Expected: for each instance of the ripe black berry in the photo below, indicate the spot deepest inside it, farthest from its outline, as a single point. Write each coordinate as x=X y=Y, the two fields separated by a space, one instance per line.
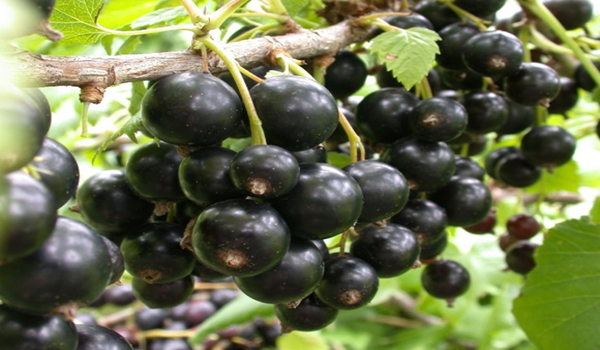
x=533 y=84
x=425 y=218
x=548 y=146
x=310 y=315
x=519 y=257
x=438 y=119
x=346 y=75
x=522 y=226
x=445 y=279
x=467 y=201
x=494 y=54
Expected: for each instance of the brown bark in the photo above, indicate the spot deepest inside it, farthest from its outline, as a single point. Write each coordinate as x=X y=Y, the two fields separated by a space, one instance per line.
x=104 y=71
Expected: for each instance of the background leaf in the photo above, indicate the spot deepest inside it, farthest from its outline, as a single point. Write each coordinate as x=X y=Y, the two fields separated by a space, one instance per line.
x=293 y=7
x=160 y=16
x=408 y=53
x=559 y=307
x=595 y=212
x=301 y=341
x=76 y=19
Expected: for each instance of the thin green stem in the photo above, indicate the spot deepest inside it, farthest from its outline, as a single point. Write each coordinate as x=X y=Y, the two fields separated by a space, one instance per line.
x=319 y=74
x=541 y=113
x=383 y=25
x=252 y=32
x=84 y=119
x=425 y=88
x=542 y=42
x=149 y=30
x=524 y=36
x=547 y=17
x=464 y=150
x=217 y=18
x=193 y=11
x=278 y=18
x=382 y=14
x=249 y=74
x=256 y=130
x=275 y=6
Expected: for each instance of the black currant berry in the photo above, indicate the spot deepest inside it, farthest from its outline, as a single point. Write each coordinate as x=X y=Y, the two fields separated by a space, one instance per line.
x=493 y=54
x=58 y=170
x=437 y=13
x=147 y=319
x=191 y=109
x=414 y=20
x=452 y=44
x=584 y=79
x=533 y=84
x=507 y=240
x=425 y=218
x=384 y=189
x=466 y=167
x=348 y=283
x=383 y=115
x=492 y=159
x=207 y=274
x=312 y=210
x=314 y=155
x=27 y=216
x=73 y=250
x=264 y=171
x=484 y=226
x=445 y=279
x=164 y=294
x=467 y=201
x=516 y=171
x=430 y=250
x=571 y=14
x=100 y=338
x=310 y=315
x=567 y=97
x=204 y=176
x=109 y=205
x=548 y=146
x=240 y=237
x=487 y=111
x=346 y=75
x=294 y=278
x=475 y=144
x=297 y=113
x=198 y=311
x=426 y=165
x=519 y=118
x=121 y=295
x=391 y=251
x=154 y=253
x=27 y=332
x=438 y=119
x=522 y=226
x=519 y=257
x=116 y=261
x=460 y=79
x=480 y=8
x=152 y=172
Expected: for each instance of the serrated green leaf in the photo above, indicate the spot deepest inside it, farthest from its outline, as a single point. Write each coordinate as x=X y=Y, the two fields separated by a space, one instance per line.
x=595 y=212
x=407 y=53
x=129 y=45
x=293 y=7
x=76 y=19
x=129 y=128
x=138 y=90
x=241 y=310
x=301 y=341
x=161 y=16
x=559 y=307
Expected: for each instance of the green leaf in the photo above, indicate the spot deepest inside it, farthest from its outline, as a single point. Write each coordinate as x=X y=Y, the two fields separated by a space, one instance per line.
x=107 y=43
x=241 y=310
x=408 y=53
x=129 y=45
x=138 y=90
x=338 y=160
x=293 y=7
x=559 y=307
x=160 y=17
x=564 y=178
x=301 y=341
x=76 y=19
x=595 y=212
x=118 y=13
x=129 y=128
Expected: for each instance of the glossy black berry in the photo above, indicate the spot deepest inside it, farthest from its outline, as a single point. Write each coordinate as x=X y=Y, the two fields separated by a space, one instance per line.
x=522 y=226
x=460 y=79
x=346 y=75
x=414 y=20
x=492 y=159
x=567 y=97
x=466 y=167
x=41 y=100
x=384 y=189
x=487 y=111
x=437 y=13
x=147 y=319
x=27 y=216
x=571 y=14
x=466 y=201
x=348 y=283
x=445 y=279
x=191 y=109
x=73 y=250
x=493 y=54
x=24 y=332
x=426 y=165
x=297 y=113
x=120 y=295
x=116 y=260
x=516 y=171
x=480 y=8
x=484 y=226
x=533 y=84
x=425 y=218
x=204 y=176
x=310 y=315
x=240 y=237
x=519 y=118
x=584 y=79
x=295 y=277
x=164 y=294
x=383 y=115
x=519 y=257
x=312 y=210
x=207 y=274
x=475 y=144
x=391 y=251
x=154 y=253
x=452 y=44
x=548 y=146
x=100 y=338
x=438 y=119
x=313 y=155
x=264 y=171
x=109 y=205
x=430 y=250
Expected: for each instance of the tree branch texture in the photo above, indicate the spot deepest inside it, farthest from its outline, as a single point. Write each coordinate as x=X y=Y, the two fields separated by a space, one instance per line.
x=103 y=71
